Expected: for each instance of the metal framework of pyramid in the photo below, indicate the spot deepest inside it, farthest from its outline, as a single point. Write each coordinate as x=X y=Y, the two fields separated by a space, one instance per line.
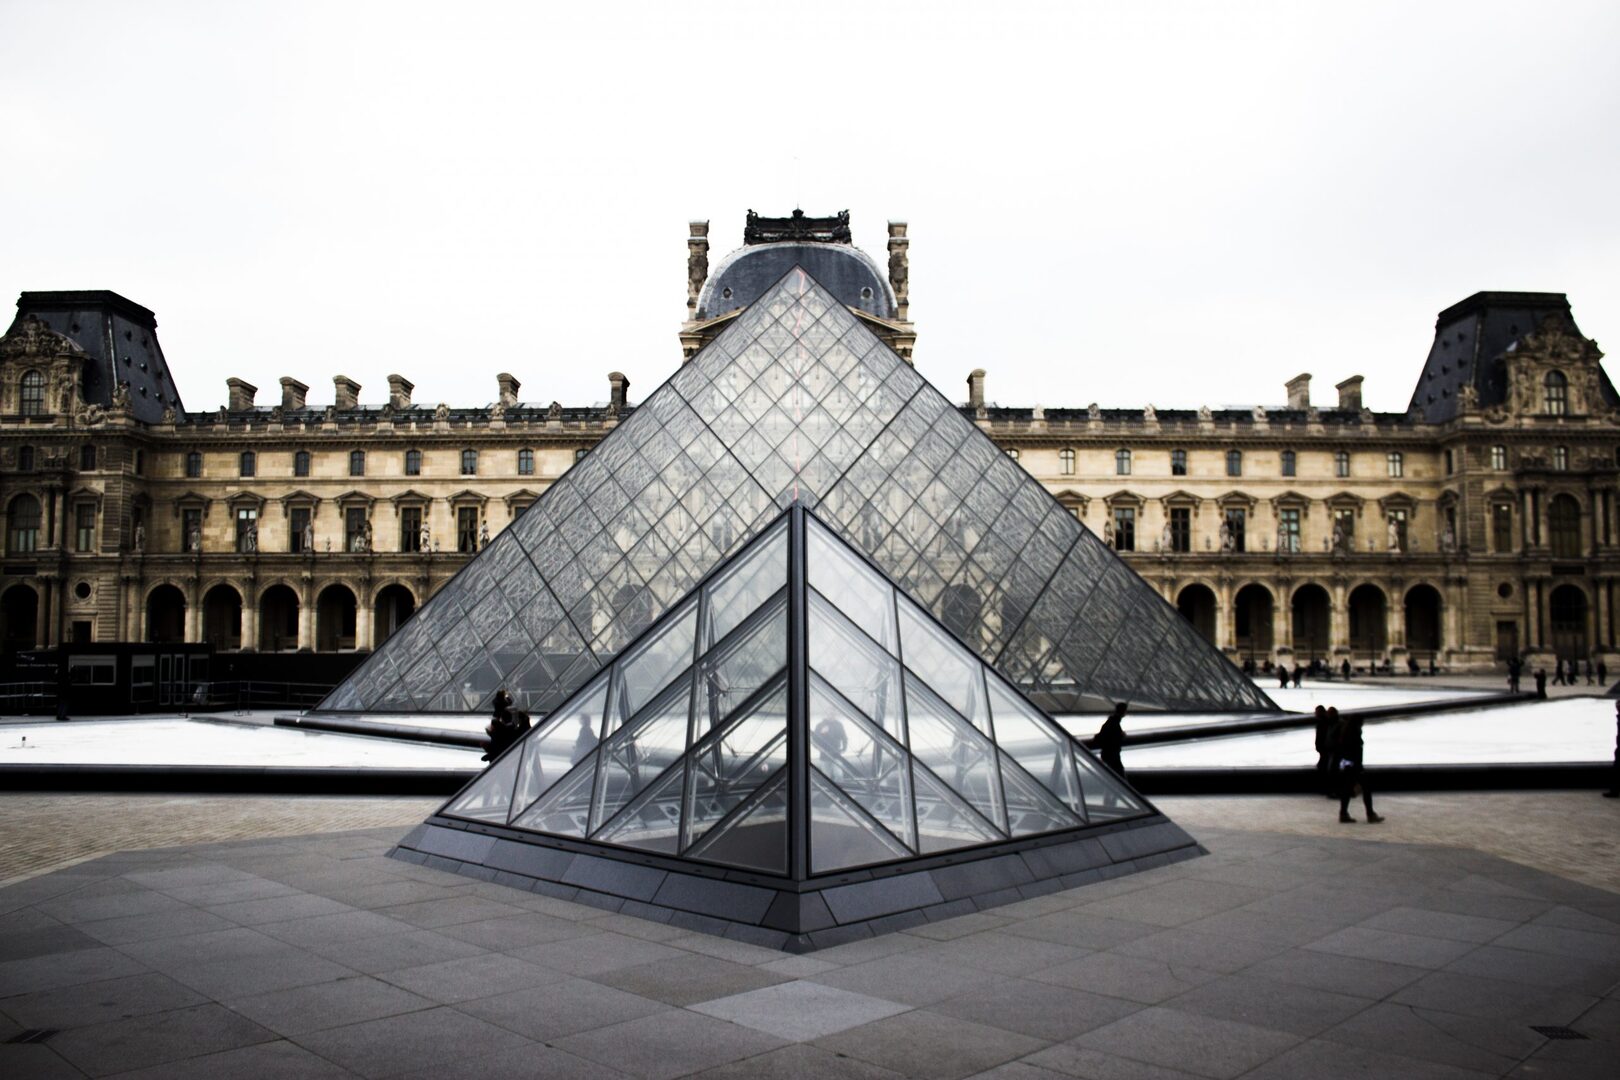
x=796 y=401
x=796 y=753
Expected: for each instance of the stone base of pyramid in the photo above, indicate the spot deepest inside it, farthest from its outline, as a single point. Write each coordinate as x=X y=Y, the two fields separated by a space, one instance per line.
x=795 y=916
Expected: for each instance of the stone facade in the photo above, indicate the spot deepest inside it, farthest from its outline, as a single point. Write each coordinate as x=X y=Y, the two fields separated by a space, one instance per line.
x=1461 y=531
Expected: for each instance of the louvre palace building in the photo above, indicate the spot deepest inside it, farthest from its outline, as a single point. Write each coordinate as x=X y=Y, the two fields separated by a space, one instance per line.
x=1477 y=525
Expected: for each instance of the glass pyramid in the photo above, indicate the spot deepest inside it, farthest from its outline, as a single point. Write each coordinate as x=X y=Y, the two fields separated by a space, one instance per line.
x=796 y=401
x=796 y=716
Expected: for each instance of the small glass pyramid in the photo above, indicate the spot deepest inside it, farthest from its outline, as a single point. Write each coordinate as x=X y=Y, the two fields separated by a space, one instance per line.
x=797 y=715
x=796 y=401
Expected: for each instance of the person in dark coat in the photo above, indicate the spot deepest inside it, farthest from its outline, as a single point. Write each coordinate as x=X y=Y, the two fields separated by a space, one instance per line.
x=1558 y=673
x=1324 y=750
x=1111 y=739
x=503 y=729
x=1589 y=672
x=1614 y=777
x=1602 y=672
x=1347 y=754
x=1515 y=670
x=1282 y=676
x=1541 y=683
x=1344 y=669
x=1299 y=673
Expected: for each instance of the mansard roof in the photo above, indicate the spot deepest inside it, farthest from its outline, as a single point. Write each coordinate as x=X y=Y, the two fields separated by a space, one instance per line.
x=119 y=338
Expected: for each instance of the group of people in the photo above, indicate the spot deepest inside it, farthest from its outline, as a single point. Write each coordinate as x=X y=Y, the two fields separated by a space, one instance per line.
x=1339 y=762
x=506 y=728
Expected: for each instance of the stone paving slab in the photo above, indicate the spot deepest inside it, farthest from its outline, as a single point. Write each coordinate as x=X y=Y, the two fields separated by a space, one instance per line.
x=1278 y=955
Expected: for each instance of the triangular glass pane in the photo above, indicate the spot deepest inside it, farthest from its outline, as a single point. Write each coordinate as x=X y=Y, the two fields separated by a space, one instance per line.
x=562 y=742
x=944 y=821
x=954 y=751
x=756 y=835
x=841 y=836
x=737 y=592
x=861 y=671
x=653 y=821
x=731 y=764
x=1031 y=808
x=1035 y=743
x=637 y=754
x=1106 y=798
x=947 y=668
x=489 y=797
x=866 y=764
x=647 y=669
x=565 y=810
x=734 y=672
x=852 y=586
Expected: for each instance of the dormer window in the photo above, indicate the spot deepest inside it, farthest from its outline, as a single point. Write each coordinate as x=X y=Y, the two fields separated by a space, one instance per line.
x=31 y=394
x=1555 y=399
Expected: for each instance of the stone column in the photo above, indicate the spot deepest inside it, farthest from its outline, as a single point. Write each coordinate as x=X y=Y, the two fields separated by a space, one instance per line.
x=306 y=614
x=1339 y=620
x=250 y=615
x=362 y=618
x=193 y=630
x=1225 y=619
x=42 y=612
x=1282 y=625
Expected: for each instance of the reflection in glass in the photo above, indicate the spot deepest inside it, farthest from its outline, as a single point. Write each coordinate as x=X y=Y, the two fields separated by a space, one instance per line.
x=653 y=821
x=944 y=665
x=850 y=584
x=731 y=674
x=755 y=838
x=639 y=752
x=944 y=821
x=1035 y=743
x=490 y=796
x=866 y=764
x=563 y=741
x=565 y=810
x=1106 y=799
x=741 y=589
x=733 y=763
x=840 y=835
x=953 y=751
x=853 y=663
x=649 y=668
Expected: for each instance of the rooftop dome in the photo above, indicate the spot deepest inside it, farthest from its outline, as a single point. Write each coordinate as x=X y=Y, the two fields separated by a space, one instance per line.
x=773 y=246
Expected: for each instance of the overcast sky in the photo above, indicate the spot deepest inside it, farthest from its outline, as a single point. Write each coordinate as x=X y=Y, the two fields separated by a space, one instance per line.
x=1120 y=203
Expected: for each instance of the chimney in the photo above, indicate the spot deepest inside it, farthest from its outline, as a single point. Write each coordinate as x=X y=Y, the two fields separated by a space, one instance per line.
x=1350 y=394
x=976 y=391
x=1299 y=391
x=399 y=391
x=900 y=267
x=508 y=388
x=346 y=392
x=241 y=394
x=292 y=393
x=618 y=391
x=697 y=264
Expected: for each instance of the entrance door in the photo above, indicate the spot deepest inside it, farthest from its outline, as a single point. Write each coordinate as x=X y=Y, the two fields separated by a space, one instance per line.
x=1507 y=640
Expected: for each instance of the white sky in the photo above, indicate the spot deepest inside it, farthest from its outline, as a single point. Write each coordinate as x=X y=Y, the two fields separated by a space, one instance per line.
x=1121 y=203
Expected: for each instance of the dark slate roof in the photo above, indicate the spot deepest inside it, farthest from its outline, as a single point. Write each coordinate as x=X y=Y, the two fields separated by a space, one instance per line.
x=119 y=338
x=1470 y=339
x=842 y=269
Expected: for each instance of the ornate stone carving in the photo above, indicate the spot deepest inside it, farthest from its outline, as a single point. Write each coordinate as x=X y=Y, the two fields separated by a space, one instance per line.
x=32 y=338
x=1259 y=414
x=555 y=411
x=1150 y=415
x=442 y=412
x=1093 y=412
x=1204 y=414
x=827 y=230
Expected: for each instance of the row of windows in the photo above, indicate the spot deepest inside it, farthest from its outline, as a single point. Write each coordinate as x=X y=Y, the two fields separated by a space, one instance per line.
x=471 y=532
x=248 y=463
x=1395 y=462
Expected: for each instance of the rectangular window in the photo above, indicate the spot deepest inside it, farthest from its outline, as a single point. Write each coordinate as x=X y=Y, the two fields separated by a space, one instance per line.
x=87 y=458
x=525 y=462
x=1234 y=463
x=1124 y=528
x=1499 y=458
x=1449 y=468
x=1289 y=463
x=1288 y=529
x=1122 y=463
x=1180 y=528
x=413 y=463
x=1178 y=463
x=1237 y=527
x=357 y=463
x=1397 y=464
x=250 y=463
x=247 y=526
x=85 y=527
x=410 y=528
x=301 y=463
x=1341 y=464
x=467 y=528
x=354 y=529
x=299 y=522
x=191 y=530
x=1344 y=528
x=193 y=465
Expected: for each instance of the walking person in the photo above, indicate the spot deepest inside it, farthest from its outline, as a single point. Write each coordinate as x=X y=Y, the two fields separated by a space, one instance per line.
x=1110 y=739
x=1602 y=672
x=1515 y=670
x=1541 y=683
x=1324 y=751
x=1558 y=673
x=1347 y=759
x=1299 y=673
x=1282 y=676
x=1344 y=668
x=1589 y=671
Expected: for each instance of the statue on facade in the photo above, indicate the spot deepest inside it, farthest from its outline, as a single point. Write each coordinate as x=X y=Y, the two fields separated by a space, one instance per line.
x=1228 y=542
x=1167 y=540
x=1204 y=414
x=554 y=412
x=169 y=415
x=1392 y=534
x=1284 y=540
x=363 y=538
x=1108 y=533
x=250 y=539
x=120 y=397
x=1448 y=538
x=426 y=542
x=442 y=412
x=309 y=538
x=1150 y=415
x=1338 y=535
x=140 y=539
x=194 y=539
x=1259 y=414
x=1093 y=412
x=483 y=535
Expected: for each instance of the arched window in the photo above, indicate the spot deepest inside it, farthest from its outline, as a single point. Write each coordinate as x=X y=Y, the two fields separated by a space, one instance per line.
x=1341 y=463
x=193 y=465
x=413 y=463
x=525 y=462
x=1555 y=400
x=1397 y=463
x=249 y=463
x=31 y=393
x=1178 y=463
x=1564 y=525
x=22 y=525
x=1122 y=463
x=1289 y=463
x=1066 y=461
x=469 y=462
x=1561 y=458
x=301 y=463
x=1234 y=463
x=357 y=463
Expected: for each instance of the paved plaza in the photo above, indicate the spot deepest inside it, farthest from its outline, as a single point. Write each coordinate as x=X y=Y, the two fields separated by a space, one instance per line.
x=1330 y=951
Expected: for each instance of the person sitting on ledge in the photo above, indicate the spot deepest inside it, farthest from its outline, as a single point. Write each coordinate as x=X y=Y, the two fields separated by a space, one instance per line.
x=503 y=729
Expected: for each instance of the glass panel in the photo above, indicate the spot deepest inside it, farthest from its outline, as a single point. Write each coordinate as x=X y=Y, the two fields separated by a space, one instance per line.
x=565 y=810
x=756 y=838
x=567 y=738
x=730 y=766
x=841 y=836
x=954 y=751
x=852 y=586
x=1035 y=743
x=635 y=756
x=1031 y=808
x=732 y=674
x=1106 y=798
x=944 y=665
x=853 y=663
x=647 y=670
x=866 y=764
x=489 y=797
x=943 y=820
x=747 y=585
x=653 y=821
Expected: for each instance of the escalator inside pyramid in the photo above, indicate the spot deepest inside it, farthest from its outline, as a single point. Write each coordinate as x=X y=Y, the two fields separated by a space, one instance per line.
x=794 y=754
